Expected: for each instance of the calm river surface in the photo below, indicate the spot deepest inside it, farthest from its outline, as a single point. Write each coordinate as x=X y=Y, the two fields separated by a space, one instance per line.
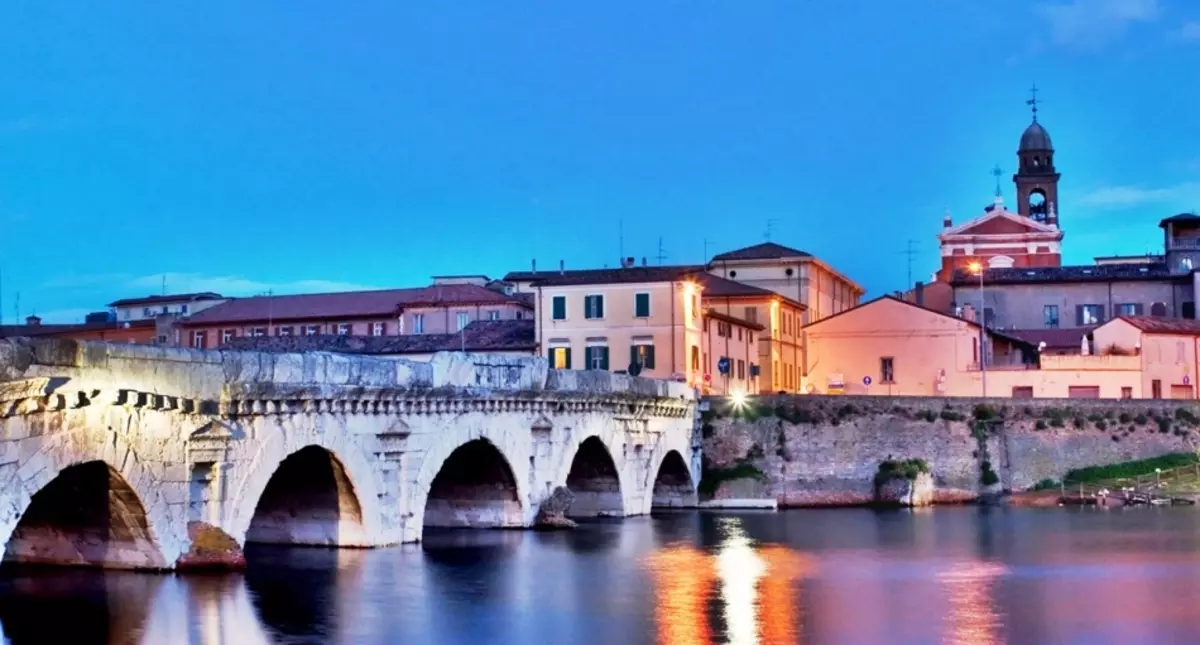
x=959 y=575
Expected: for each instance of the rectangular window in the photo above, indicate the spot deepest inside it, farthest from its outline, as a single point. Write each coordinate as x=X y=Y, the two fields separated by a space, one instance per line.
x=343 y=329
x=1126 y=393
x=887 y=373
x=1050 y=316
x=695 y=358
x=1022 y=392
x=418 y=323
x=989 y=317
x=558 y=308
x=198 y=339
x=258 y=332
x=1188 y=310
x=751 y=314
x=560 y=358
x=1180 y=352
x=642 y=355
x=774 y=374
x=283 y=331
x=1156 y=389
x=739 y=333
x=378 y=329
x=1129 y=309
x=593 y=307
x=493 y=315
x=1089 y=314
x=227 y=335
x=596 y=357
x=165 y=310
x=741 y=369
x=520 y=315
x=460 y=320
x=183 y=309
x=641 y=305
x=312 y=330
x=146 y=312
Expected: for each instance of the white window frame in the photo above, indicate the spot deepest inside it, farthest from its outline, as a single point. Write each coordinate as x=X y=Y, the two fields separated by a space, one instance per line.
x=198 y=339
x=461 y=320
x=343 y=329
x=493 y=314
x=377 y=329
x=418 y=323
x=312 y=330
x=226 y=335
x=587 y=310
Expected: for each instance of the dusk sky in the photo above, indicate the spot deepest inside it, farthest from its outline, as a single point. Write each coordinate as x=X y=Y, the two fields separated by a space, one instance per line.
x=301 y=146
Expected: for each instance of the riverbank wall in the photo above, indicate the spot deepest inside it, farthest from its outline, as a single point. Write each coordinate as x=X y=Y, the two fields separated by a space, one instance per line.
x=805 y=450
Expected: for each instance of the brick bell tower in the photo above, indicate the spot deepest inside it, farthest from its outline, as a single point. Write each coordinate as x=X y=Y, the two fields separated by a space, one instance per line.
x=1036 y=178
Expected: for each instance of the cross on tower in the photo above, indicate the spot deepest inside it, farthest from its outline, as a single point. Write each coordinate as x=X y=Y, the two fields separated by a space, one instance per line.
x=997 y=173
x=1033 y=101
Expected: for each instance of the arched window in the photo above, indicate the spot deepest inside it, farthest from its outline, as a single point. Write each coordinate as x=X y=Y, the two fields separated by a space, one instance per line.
x=1158 y=309
x=1000 y=262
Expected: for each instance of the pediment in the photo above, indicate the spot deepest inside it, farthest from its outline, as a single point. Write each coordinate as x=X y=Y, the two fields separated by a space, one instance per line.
x=214 y=431
x=999 y=222
x=397 y=428
x=542 y=424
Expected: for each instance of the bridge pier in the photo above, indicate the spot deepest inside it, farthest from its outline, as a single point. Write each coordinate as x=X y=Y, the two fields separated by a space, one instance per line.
x=109 y=453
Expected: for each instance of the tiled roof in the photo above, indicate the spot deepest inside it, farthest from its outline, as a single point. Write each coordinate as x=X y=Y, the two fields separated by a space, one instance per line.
x=1007 y=335
x=1186 y=218
x=764 y=251
x=624 y=275
x=1080 y=273
x=1054 y=338
x=479 y=336
x=346 y=304
x=1156 y=325
x=43 y=329
x=717 y=287
x=178 y=297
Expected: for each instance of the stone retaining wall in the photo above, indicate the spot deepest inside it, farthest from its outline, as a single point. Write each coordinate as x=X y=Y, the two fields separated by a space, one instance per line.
x=825 y=450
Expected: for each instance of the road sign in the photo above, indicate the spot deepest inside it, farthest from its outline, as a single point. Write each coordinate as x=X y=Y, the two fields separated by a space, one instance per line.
x=866 y=380
x=723 y=365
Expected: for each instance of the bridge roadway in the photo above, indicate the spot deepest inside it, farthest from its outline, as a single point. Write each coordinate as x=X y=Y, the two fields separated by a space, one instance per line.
x=127 y=456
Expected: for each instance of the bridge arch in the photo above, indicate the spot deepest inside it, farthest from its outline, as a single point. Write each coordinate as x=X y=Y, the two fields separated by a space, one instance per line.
x=593 y=475
x=673 y=485
x=81 y=486
x=313 y=489
x=473 y=478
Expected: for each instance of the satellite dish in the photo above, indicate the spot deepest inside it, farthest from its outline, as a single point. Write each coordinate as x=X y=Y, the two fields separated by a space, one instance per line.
x=635 y=368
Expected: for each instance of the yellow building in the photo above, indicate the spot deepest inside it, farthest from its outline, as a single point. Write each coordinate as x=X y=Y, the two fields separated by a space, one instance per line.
x=780 y=351
x=790 y=273
x=1166 y=351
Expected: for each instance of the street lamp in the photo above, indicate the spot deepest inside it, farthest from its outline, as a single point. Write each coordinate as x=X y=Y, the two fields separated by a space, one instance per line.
x=977 y=269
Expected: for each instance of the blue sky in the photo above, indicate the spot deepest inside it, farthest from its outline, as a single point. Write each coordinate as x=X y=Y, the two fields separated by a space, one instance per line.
x=301 y=146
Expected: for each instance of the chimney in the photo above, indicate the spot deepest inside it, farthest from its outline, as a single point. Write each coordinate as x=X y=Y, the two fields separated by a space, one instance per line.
x=534 y=270
x=946 y=221
x=562 y=267
x=33 y=321
x=919 y=294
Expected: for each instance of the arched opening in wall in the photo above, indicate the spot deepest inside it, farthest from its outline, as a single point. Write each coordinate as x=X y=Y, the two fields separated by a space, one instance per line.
x=309 y=501
x=1037 y=204
x=673 y=485
x=475 y=488
x=86 y=516
x=593 y=479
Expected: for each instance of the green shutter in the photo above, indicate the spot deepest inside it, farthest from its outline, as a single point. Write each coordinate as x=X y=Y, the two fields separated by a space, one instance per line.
x=600 y=308
x=633 y=354
x=641 y=305
x=559 y=307
x=648 y=362
x=603 y=358
x=587 y=358
x=567 y=358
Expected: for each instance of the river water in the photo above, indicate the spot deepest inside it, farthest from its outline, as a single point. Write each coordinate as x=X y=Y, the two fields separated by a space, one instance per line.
x=950 y=575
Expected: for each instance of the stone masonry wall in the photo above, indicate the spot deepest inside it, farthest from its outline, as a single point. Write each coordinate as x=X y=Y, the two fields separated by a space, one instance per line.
x=825 y=450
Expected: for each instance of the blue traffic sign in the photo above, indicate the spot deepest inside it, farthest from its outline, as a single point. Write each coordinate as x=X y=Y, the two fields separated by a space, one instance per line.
x=723 y=365
x=866 y=380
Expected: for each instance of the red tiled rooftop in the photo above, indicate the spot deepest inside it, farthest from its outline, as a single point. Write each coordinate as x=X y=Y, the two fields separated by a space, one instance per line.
x=347 y=304
x=178 y=297
x=1156 y=325
x=764 y=251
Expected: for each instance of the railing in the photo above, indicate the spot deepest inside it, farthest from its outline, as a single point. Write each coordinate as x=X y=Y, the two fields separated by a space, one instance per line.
x=1184 y=243
x=1164 y=487
x=1091 y=362
x=1003 y=367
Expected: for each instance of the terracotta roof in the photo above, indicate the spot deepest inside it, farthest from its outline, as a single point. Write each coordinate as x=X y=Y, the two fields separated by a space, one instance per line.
x=716 y=315
x=1006 y=335
x=606 y=276
x=9 y=331
x=347 y=304
x=1156 y=325
x=717 y=287
x=764 y=251
x=1080 y=273
x=1071 y=338
x=479 y=336
x=178 y=297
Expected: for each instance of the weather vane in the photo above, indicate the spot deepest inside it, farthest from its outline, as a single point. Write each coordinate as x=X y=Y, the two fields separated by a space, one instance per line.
x=1033 y=101
x=997 y=173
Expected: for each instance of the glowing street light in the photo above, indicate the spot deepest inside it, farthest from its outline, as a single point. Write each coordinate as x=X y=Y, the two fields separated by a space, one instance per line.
x=977 y=269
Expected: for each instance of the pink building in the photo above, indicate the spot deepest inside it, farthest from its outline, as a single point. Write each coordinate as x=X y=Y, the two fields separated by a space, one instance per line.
x=447 y=306
x=891 y=347
x=1166 y=350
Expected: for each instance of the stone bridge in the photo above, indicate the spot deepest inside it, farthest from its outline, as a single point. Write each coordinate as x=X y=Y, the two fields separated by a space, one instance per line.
x=128 y=456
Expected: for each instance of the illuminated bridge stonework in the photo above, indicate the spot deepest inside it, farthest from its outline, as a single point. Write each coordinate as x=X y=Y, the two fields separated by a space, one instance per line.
x=124 y=456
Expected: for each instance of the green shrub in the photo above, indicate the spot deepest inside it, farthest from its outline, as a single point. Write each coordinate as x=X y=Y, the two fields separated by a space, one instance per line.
x=905 y=469
x=1130 y=469
x=1184 y=415
x=928 y=415
x=1057 y=422
x=1079 y=422
x=706 y=430
x=1124 y=418
x=1164 y=425
x=1101 y=425
x=712 y=478
x=1045 y=484
x=1040 y=425
x=989 y=478
x=1141 y=420
x=1095 y=418
x=949 y=414
x=983 y=412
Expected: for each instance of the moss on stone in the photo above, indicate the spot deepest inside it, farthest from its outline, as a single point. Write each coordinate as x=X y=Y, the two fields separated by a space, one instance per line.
x=900 y=469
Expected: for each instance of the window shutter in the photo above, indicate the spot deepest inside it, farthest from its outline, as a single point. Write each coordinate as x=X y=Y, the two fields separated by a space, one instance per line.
x=1137 y=309
x=603 y=357
x=649 y=357
x=567 y=357
x=599 y=306
x=587 y=358
x=633 y=354
x=1100 y=313
x=1078 y=315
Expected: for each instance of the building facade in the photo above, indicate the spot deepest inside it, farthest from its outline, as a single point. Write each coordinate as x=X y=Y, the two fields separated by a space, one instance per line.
x=790 y=273
x=780 y=350
x=1166 y=351
x=730 y=350
x=150 y=307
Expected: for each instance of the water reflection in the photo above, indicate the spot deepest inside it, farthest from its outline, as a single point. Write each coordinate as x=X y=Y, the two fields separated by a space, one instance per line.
x=954 y=576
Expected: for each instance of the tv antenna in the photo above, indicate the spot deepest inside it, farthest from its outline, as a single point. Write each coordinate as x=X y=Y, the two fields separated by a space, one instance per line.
x=910 y=250
x=662 y=255
x=770 y=229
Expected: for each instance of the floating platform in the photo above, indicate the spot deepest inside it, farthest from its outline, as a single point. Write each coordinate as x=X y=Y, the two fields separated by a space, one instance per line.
x=741 y=504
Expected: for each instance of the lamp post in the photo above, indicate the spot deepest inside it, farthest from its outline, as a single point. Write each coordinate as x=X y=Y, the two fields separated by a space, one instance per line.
x=977 y=268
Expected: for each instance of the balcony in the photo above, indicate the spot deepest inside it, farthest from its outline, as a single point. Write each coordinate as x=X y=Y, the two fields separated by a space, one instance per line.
x=1079 y=362
x=1184 y=244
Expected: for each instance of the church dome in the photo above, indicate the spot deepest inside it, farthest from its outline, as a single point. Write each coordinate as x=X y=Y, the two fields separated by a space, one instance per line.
x=1035 y=137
